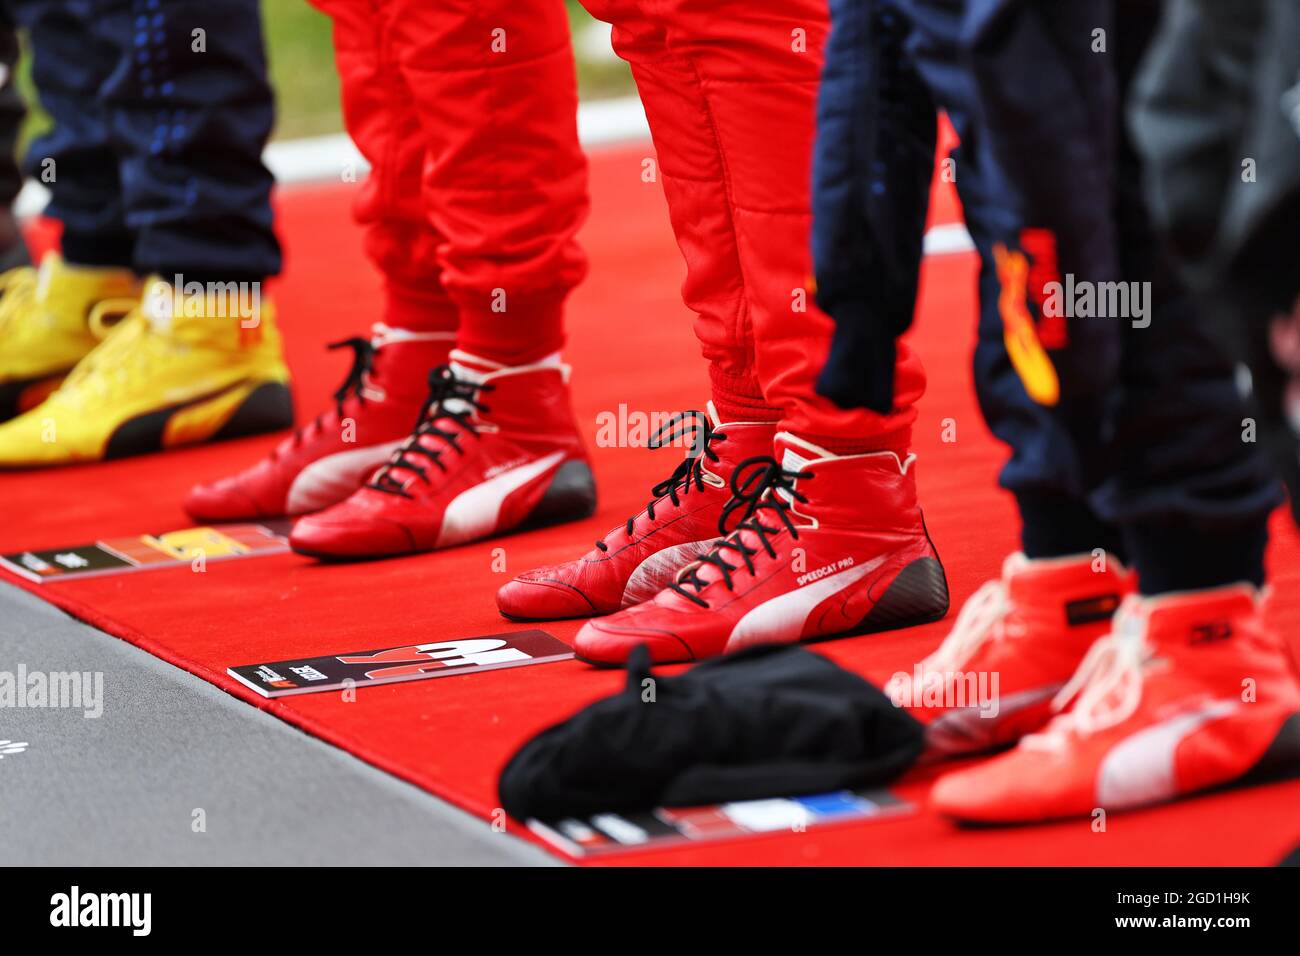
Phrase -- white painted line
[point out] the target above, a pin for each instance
(315, 159)
(600, 123)
(324, 158)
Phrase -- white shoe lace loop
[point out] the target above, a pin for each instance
(1107, 687)
(976, 623)
(107, 314)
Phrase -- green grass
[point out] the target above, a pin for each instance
(602, 76)
(36, 121)
(301, 58)
(306, 85)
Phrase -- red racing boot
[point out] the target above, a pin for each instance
(830, 545)
(1015, 644)
(324, 462)
(636, 560)
(1190, 690)
(497, 448)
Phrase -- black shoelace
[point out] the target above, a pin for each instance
(443, 385)
(688, 474)
(756, 485)
(363, 361)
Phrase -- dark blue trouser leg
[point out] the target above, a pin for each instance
(1145, 433)
(12, 111)
(1057, 451)
(872, 160)
(1192, 496)
(175, 91)
(1169, 466)
(13, 251)
(76, 159)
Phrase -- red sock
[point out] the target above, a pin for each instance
(521, 330)
(738, 398)
(415, 336)
(419, 309)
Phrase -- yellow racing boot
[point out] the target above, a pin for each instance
(187, 365)
(45, 324)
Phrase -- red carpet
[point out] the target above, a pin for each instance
(630, 342)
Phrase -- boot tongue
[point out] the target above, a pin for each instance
(792, 459)
(795, 454)
(401, 362)
(468, 368)
(714, 420)
(792, 455)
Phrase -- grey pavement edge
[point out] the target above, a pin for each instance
(171, 751)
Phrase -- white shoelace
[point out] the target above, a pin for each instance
(1107, 687)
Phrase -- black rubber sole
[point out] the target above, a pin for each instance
(918, 595)
(11, 394)
(326, 558)
(607, 666)
(571, 496)
(543, 620)
(268, 408)
(1281, 761)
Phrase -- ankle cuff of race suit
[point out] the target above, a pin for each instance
(1055, 525)
(738, 398)
(513, 330)
(419, 309)
(1182, 557)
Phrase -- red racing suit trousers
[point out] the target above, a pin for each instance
(730, 87)
(467, 113)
